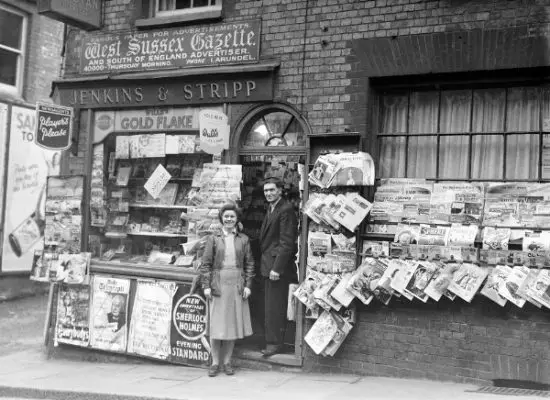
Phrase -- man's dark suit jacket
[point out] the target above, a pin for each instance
(278, 241)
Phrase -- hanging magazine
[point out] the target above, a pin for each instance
(514, 280)
(467, 281)
(495, 279)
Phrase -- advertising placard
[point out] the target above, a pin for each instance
(189, 343)
(151, 318)
(73, 310)
(214, 131)
(28, 167)
(182, 47)
(109, 314)
(54, 126)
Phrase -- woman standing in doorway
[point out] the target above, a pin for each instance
(226, 277)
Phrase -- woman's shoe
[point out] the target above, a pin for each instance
(228, 369)
(213, 370)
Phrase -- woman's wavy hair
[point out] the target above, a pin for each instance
(230, 207)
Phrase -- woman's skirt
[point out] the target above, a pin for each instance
(229, 313)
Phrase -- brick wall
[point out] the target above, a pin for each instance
(324, 74)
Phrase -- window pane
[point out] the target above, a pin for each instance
(522, 156)
(455, 111)
(423, 112)
(8, 67)
(421, 157)
(182, 4)
(489, 110)
(294, 135)
(394, 114)
(487, 157)
(523, 108)
(277, 122)
(392, 158)
(201, 3)
(454, 157)
(10, 29)
(546, 109)
(257, 136)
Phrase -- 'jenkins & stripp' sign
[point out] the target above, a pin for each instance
(220, 44)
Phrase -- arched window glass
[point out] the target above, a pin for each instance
(274, 128)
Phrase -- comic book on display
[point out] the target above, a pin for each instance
(441, 280)
(462, 235)
(496, 238)
(495, 279)
(376, 248)
(467, 280)
(456, 202)
(343, 328)
(364, 283)
(109, 311)
(351, 211)
(72, 268)
(322, 294)
(72, 318)
(527, 285)
(540, 289)
(322, 332)
(420, 278)
(515, 278)
(402, 199)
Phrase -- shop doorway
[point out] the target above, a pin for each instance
(271, 140)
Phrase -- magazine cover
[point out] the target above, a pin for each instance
(433, 235)
(402, 277)
(321, 295)
(467, 281)
(441, 280)
(496, 238)
(323, 171)
(319, 244)
(304, 293)
(422, 275)
(340, 292)
(540, 290)
(353, 169)
(73, 308)
(109, 311)
(343, 328)
(149, 333)
(322, 332)
(536, 241)
(495, 279)
(376, 248)
(528, 285)
(395, 201)
(332, 206)
(462, 235)
(407, 234)
(515, 278)
(73, 268)
(365, 279)
(352, 211)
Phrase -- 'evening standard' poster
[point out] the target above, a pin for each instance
(109, 313)
(151, 317)
(189, 341)
(73, 310)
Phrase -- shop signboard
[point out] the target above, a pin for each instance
(28, 168)
(176, 92)
(85, 14)
(182, 47)
(53, 126)
(151, 316)
(189, 343)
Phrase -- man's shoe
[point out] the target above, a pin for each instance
(213, 370)
(271, 350)
(228, 369)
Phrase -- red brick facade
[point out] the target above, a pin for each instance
(324, 73)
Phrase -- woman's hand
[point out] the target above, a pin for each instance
(246, 293)
(208, 293)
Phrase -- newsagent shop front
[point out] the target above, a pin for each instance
(152, 179)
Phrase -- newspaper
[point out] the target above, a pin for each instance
(352, 211)
(399, 200)
(73, 311)
(149, 333)
(353, 169)
(109, 311)
(456, 202)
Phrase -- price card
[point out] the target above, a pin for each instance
(158, 180)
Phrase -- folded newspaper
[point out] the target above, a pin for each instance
(343, 169)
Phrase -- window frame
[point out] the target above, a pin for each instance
(17, 89)
(187, 11)
(151, 16)
(385, 86)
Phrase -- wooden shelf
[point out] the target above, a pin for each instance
(158, 234)
(166, 207)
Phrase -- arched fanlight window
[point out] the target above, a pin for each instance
(274, 128)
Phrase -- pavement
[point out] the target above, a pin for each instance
(30, 374)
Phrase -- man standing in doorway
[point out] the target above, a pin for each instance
(278, 248)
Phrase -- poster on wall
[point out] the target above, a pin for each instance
(28, 168)
(73, 311)
(188, 341)
(151, 317)
(54, 126)
(109, 316)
